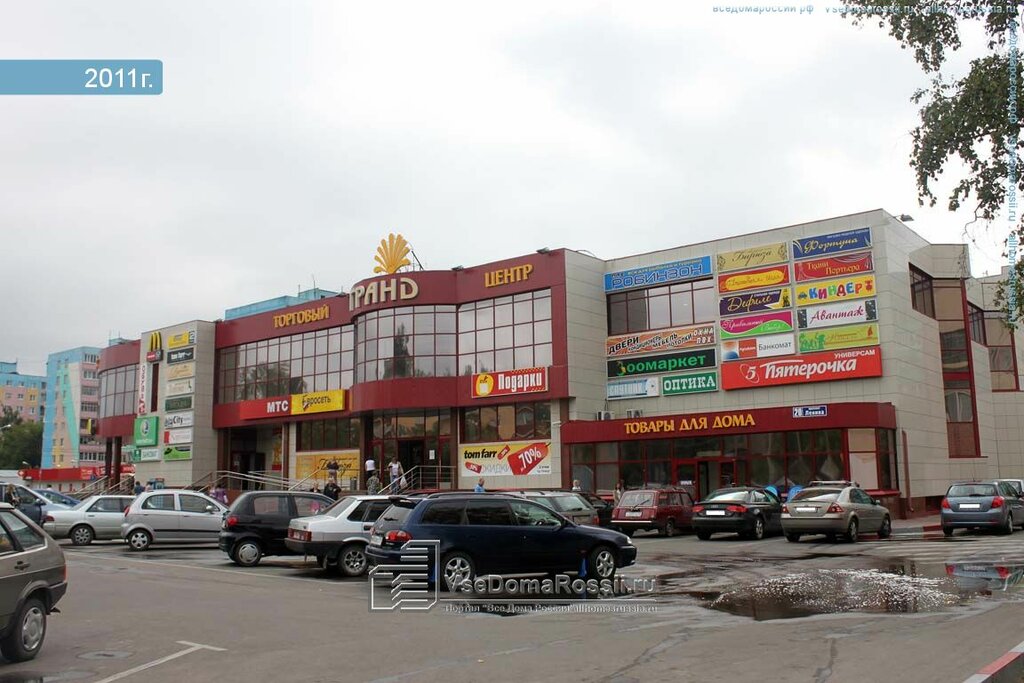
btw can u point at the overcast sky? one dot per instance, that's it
(292, 136)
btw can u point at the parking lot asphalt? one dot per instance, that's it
(723, 609)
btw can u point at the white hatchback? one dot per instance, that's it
(170, 516)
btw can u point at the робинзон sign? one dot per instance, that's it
(815, 367)
(669, 362)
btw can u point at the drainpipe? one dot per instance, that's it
(906, 471)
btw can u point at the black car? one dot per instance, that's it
(746, 510)
(604, 507)
(256, 524)
(481, 533)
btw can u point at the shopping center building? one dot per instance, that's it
(842, 348)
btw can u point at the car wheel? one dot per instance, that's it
(852, 531)
(885, 531)
(670, 528)
(247, 553)
(81, 535)
(1008, 527)
(704, 535)
(352, 560)
(758, 531)
(456, 569)
(139, 540)
(947, 531)
(601, 562)
(26, 636)
(793, 538)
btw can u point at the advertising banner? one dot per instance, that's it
(677, 271)
(142, 396)
(180, 386)
(147, 431)
(833, 243)
(145, 454)
(754, 257)
(516, 458)
(816, 367)
(847, 337)
(758, 347)
(178, 403)
(837, 314)
(181, 371)
(178, 453)
(756, 325)
(694, 383)
(638, 387)
(828, 291)
(510, 382)
(770, 300)
(660, 340)
(175, 436)
(318, 402)
(760, 278)
(176, 420)
(308, 463)
(181, 355)
(669, 362)
(186, 338)
(834, 266)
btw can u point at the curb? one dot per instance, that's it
(916, 530)
(1007, 669)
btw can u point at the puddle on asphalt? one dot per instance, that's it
(887, 588)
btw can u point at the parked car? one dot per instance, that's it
(834, 508)
(1018, 484)
(168, 516)
(256, 524)
(569, 504)
(748, 511)
(668, 510)
(31, 504)
(603, 507)
(486, 533)
(985, 576)
(982, 505)
(57, 497)
(33, 577)
(338, 537)
(96, 517)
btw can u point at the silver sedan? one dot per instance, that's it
(95, 518)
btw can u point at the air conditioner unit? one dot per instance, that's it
(604, 415)
(634, 413)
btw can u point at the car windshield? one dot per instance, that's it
(570, 503)
(636, 499)
(971, 491)
(543, 500)
(728, 495)
(824, 495)
(88, 501)
(1015, 484)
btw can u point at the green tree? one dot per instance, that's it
(974, 119)
(21, 443)
(9, 416)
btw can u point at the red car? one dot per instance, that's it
(666, 510)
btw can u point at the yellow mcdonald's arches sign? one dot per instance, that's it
(156, 348)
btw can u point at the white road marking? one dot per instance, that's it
(193, 647)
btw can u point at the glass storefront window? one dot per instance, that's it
(505, 333)
(117, 391)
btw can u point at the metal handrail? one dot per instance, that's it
(436, 475)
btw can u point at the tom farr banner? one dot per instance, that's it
(770, 300)
(661, 340)
(670, 362)
(815, 367)
(517, 458)
(756, 325)
(759, 278)
(677, 271)
(833, 243)
(837, 314)
(764, 255)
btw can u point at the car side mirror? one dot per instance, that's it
(874, 501)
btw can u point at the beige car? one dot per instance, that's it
(834, 508)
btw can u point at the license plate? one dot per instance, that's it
(715, 513)
(635, 513)
(970, 506)
(376, 539)
(807, 509)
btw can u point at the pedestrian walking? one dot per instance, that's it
(373, 484)
(479, 488)
(11, 495)
(332, 469)
(617, 495)
(315, 489)
(397, 474)
(332, 490)
(576, 485)
(139, 488)
(371, 466)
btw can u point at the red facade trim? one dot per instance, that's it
(119, 355)
(118, 425)
(840, 415)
